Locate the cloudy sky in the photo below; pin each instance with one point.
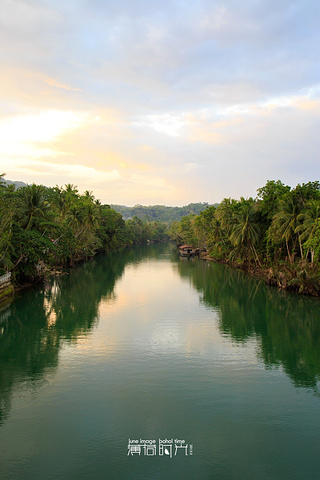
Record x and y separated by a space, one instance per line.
160 102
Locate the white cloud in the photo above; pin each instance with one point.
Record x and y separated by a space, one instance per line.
168 123
225 92
191 167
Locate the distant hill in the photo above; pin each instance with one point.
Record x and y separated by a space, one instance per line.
159 213
14 182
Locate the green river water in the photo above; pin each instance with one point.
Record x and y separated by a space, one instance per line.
141 365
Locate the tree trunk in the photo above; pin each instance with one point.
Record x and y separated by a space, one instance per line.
289 255
256 255
312 255
301 251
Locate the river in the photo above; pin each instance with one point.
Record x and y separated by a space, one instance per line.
141 365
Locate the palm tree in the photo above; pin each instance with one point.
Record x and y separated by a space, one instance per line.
91 219
89 195
11 188
75 219
287 220
34 204
246 232
225 214
309 218
217 233
62 204
2 182
71 189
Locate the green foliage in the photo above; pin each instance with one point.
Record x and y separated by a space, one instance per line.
6 292
2 183
174 232
159 213
268 198
185 231
246 231
307 191
313 242
6 220
29 248
33 206
280 225
58 227
306 281
287 220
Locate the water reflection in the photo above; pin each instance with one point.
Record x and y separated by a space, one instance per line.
66 310
39 321
286 326
63 310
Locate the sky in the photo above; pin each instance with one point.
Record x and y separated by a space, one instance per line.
160 102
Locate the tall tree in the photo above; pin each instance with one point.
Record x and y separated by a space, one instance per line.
34 205
309 224
268 198
245 233
226 214
286 220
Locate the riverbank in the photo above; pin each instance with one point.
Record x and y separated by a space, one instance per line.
300 277
6 293
6 288
45 271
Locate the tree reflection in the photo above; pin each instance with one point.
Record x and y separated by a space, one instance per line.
286 326
40 321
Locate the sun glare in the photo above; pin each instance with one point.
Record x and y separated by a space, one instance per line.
45 127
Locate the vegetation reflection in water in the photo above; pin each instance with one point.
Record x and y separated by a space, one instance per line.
33 328
287 326
65 311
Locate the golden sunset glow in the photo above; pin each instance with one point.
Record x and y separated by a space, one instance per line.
91 98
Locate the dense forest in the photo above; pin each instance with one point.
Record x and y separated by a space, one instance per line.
45 228
277 234
160 213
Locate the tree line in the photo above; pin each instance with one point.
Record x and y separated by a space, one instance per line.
160 213
276 233
50 227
